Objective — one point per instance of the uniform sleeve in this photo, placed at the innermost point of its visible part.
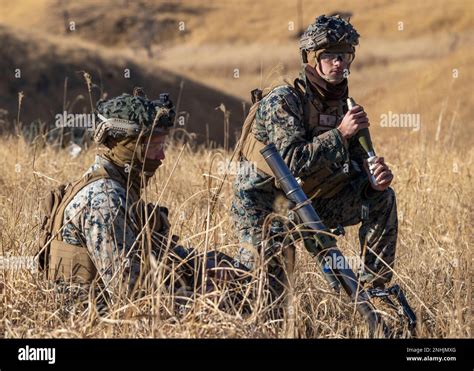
(281, 115)
(109, 236)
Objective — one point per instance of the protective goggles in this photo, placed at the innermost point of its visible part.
(343, 57)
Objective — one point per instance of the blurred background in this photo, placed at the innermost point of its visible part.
(414, 57)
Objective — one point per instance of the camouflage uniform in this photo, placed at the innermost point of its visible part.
(98, 220)
(108, 220)
(306, 149)
(102, 214)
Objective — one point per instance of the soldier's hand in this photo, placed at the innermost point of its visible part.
(354, 120)
(382, 173)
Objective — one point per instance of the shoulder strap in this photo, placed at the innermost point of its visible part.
(71, 191)
(247, 126)
(311, 106)
(249, 146)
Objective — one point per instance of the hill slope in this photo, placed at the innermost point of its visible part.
(38, 65)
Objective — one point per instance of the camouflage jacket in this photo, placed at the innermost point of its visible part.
(100, 222)
(280, 119)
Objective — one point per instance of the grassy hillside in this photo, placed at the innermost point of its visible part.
(51, 76)
(233, 21)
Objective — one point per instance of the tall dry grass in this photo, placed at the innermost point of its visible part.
(433, 185)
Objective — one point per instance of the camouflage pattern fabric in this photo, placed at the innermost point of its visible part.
(379, 223)
(279, 119)
(130, 116)
(107, 221)
(137, 109)
(99, 220)
(328, 31)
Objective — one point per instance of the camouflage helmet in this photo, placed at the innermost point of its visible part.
(328, 32)
(129, 116)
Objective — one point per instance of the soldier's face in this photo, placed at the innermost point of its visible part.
(335, 65)
(156, 149)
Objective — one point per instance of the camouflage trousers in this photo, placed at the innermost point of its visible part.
(378, 230)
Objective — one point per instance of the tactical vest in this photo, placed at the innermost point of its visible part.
(58, 259)
(319, 118)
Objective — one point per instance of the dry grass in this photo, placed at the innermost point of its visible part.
(433, 184)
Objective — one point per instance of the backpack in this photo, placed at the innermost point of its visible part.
(56, 258)
(49, 208)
